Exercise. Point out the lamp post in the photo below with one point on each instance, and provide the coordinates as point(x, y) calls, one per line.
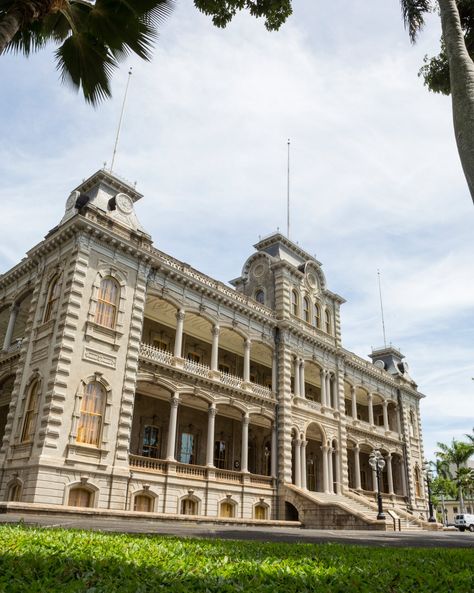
point(428, 478)
point(377, 462)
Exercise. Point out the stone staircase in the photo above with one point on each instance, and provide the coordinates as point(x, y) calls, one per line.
point(346, 511)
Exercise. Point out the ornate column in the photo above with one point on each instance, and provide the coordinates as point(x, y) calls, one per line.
point(357, 467)
point(296, 388)
point(297, 457)
point(178, 340)
point(215, 348)
point(11, 325)
point(328, 390)
point(302, 392)
point(247, 344)
point(274, 454)
point(385, 415)
point(354, 402)
point(211, 421)
point(371, 409)
point(274, 372)
point(174, 402)
point(330, 472)
point(245, 444)
point(303, 464)
point(324, 449)
point(388, 459)
point(323, 387)
point(337, 459)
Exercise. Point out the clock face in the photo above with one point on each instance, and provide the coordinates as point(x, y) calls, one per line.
point(311, 280)
point(71, 201)
point(258, 270)
point(124, 203)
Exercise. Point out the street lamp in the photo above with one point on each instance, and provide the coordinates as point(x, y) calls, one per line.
point(377, 462)
point(428, 478)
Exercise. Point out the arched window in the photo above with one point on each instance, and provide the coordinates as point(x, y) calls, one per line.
point(260, 297)
point(80, 497)
point(143, 503)
point(317, 315)
point(92, 409)
point(227, 509)
point(260, 512)
point(306, 309)
point(417, 482)
point(327, 319)
point(53, 299)
point(188, 506)
point(107, 303)
point(294, 302)
point(14, 492)
point(31, 411)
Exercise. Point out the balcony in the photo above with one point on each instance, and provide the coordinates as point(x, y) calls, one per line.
point(163, 357)
point(13, 351)
point(197, 472)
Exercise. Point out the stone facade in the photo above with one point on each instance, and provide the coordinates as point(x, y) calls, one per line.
point(130, 381)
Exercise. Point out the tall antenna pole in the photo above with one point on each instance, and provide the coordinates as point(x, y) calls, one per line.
point(381, 310)
point(120, 120)
point(288, 194)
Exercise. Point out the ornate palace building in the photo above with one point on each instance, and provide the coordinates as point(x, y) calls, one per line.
point(133, 383)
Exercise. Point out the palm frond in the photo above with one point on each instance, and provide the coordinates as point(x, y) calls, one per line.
point(413, 12)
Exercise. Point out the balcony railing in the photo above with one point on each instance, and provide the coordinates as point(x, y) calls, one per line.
point(12, 350)
point(164, 357)
point(197, 472)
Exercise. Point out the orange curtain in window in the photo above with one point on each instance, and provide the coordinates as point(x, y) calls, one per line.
point(106, 312)
point(90, 421)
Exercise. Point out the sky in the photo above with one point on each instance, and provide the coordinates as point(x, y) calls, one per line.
point(376, 182)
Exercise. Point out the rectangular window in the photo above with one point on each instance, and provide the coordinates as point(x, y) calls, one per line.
point(186, 450)
point(150, 446)
point(193, 357)
point(220, 454)
point(224, 368)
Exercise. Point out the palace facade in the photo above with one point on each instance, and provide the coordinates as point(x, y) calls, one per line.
point(129, 381)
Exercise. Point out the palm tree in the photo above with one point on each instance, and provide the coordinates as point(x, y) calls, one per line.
point(92, 35)
point(456, 455)
point(461, 70)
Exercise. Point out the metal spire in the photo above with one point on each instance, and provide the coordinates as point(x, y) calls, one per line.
point(288, 194)
point(120, 120)
point(381, 310)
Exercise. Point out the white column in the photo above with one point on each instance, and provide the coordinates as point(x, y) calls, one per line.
point(324, 449)
point(323, 387)
point(328, 390)
point(215, 348)
point(172, 428)
point(11, 325)
point(303, 464)
point(274, 451)
point(274, 372)
point(388, 459)
point(330, 472)
point(211, 421)
point(337, 459)
point(371, 410)
point(247, 360)
point(354, 402)
point(385, 415)
point(245, 443)
point(297, 377)
point(357, 467)
point(297, 458)
point(302, 392)
point(178, 340)
point(404, 477)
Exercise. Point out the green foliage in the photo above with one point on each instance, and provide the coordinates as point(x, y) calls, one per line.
point(435, 71)
point(222, 11)
point(413, 12)
point(61, 561)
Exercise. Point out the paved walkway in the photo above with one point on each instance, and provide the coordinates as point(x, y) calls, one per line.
point(428, 539)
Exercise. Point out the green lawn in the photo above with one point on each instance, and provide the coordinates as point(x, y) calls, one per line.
point(62, 561)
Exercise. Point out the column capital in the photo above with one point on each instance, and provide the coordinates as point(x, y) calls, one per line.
point(388, 457)
point(304, 443)
point(247, 343)
point(215, 330)
point(180, 315)
point(174, 401)
point(385, 403)
point(370, 395)
point(245, 419)
point(353, 390)
point(297, 442)
point(324, 448)
point(212, 410)
point(357, 447)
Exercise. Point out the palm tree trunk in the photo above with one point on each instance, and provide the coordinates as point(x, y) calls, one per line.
point(9, 26)
point(461, 71)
